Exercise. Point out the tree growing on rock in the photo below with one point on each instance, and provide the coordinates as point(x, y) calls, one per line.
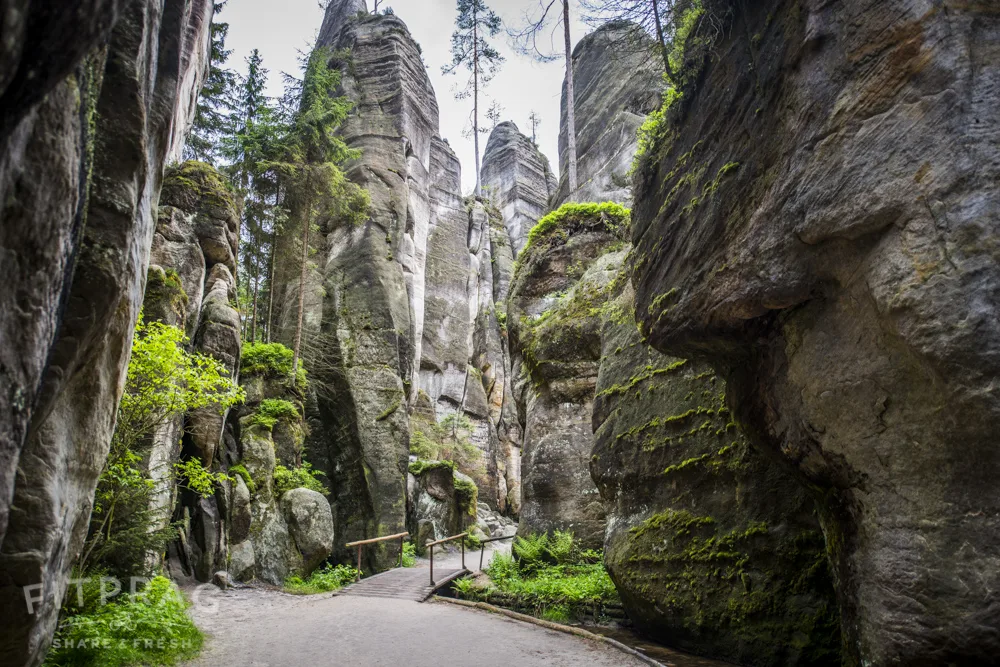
point(526, 42)
point(471, 49)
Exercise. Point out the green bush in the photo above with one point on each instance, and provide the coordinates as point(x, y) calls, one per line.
point(329, 578)
point(149, 628)
point(466, 496)
point(536, 551)
point(273, 410)
point(420, 466)
point(272, 360)
point(240, 470)
point(409, 554)
point(286, 479)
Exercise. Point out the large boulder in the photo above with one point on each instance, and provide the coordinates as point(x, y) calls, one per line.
point(310, 525)
point(822, 228)
point(83, 111)
point(713, 548)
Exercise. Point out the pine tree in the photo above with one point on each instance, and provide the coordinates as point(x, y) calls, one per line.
point(526, 41)
point(215, 104)
point(318, 186)
point(470, 49)
point(534, 120)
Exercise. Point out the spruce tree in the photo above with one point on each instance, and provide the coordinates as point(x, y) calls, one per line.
point(471, 49)
point(216, 102)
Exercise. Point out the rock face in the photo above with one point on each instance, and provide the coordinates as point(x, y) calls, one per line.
point(441, 499)
point(77, 100)
point(840, 268)
point(555, 329)
point(401, 312)
point(517, 178)
point(618, 83)
point(713, 548)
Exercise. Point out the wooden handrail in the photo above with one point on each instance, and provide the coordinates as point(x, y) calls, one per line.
point(375, 540)
point(447, 539)
point(431, 546)
point(482, 546)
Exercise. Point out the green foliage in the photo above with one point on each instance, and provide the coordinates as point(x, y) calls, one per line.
point(217, 101)
point(558, 224)
point(448, 440)
point(420, 466)
point(163, 381)
point(534, 581)
point(286, 479)
point(409, 554)
point(272, 410)
point(273, 361)
point(150, 627)
point(192, 475)
point(329, 578)
point(240, 470)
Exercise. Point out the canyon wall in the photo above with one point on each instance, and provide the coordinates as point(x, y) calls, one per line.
point(818, 221)
point(94, 99)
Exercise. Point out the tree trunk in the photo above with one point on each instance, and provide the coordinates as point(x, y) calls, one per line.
point(570, 104)
point(270, 267)
point(475, 95)
point(663, 42)
point(256, 291)
point(302, 282)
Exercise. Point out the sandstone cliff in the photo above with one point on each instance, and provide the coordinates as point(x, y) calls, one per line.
point(821, 227)
point(617, 84)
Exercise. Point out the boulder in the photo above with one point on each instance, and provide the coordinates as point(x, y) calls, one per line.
point(310, 524)
point(839, 267)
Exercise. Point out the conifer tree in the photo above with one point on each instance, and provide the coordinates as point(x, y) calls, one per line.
point(216, 102)
point(526, 41)
point(471, 49)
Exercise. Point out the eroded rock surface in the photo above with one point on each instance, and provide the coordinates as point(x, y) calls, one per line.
point(713, 547)
point(618, 82)
point(84, 264)
point(822, 227)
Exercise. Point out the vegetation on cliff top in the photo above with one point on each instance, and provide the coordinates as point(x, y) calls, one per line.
point(572, 216)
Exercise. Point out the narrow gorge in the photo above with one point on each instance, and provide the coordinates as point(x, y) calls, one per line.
point(749, 363)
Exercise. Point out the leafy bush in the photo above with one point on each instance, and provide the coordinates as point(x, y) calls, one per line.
point(409, 554)
point(536, 551)
point(447, 441)
point(163, 381)
point(149, 628)
point(272, 360)
point(329, 578)
point(286, 479)
point(240, 470)
point(466, 495)
point(273, 410)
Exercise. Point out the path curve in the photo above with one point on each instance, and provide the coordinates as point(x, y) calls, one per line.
point(253, 627)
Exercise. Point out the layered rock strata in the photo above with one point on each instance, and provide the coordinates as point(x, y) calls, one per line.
point(89, 119)
point(839, 267)
point(618, 80)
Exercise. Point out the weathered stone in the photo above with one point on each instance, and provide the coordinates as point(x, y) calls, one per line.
point(618, 81)
point(242, 561)
point(714, 548)
point(240, 518)
point(822, 227)
point(517, 178)
point(79, 287)
point(310, 524)
point(555, 334)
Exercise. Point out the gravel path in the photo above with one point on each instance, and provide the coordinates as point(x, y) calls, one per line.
point(256, 627)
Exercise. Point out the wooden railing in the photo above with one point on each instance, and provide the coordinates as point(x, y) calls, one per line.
point(375, 540)
point(431, 545)
point(483, 543)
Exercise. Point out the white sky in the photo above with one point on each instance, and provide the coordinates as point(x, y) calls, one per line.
point(282, 28)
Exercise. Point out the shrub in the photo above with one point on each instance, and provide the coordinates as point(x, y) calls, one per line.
point(163, 381)
point(240, 470)
point(466, 496)
point(149, 628)
point(273, 410)
point(304, 477)
point(272, 360)
point(192, 475)
point(409, 554)
point(420, 466)
point(329, 578)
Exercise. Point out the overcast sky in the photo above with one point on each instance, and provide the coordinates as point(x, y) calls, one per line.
point(280, 29)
